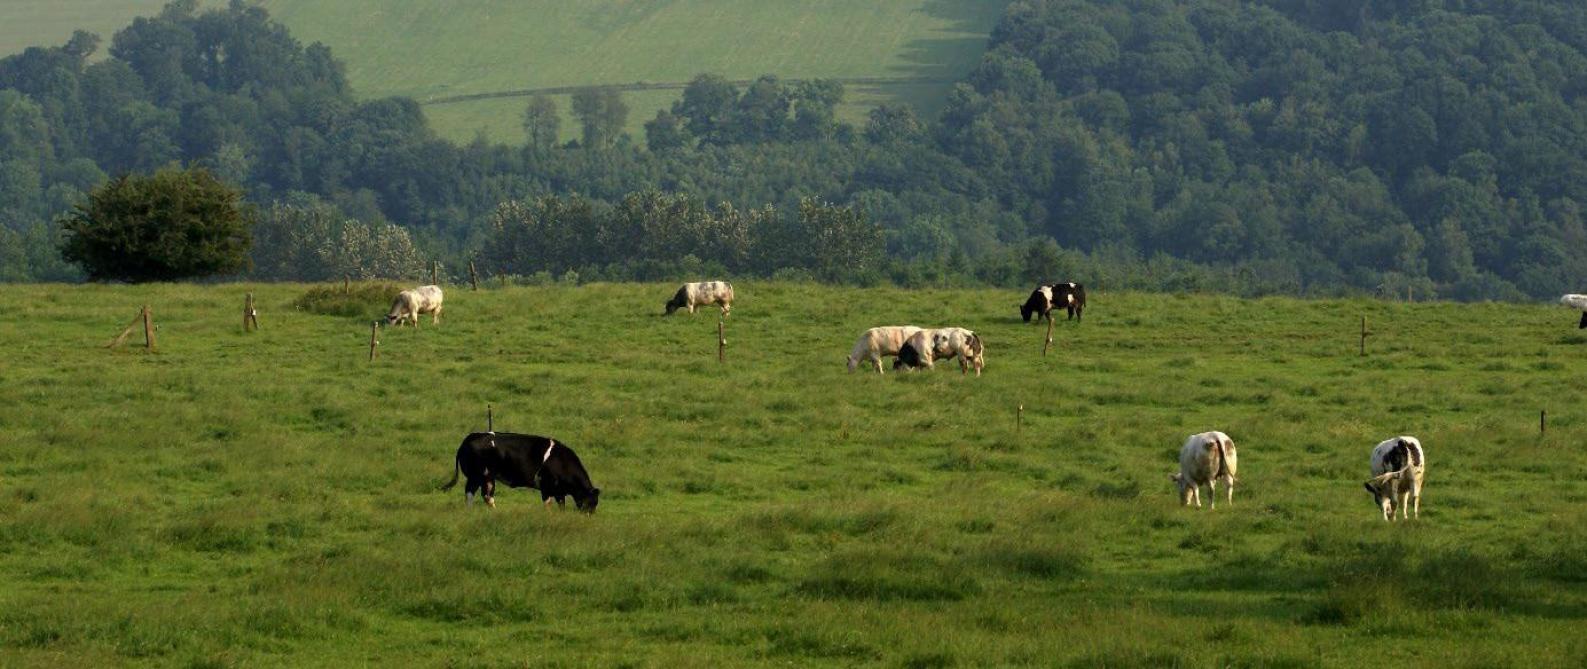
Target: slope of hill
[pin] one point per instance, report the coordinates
(432, 49)
(25, 23)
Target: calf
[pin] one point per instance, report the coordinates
(523, 461)
(877, 342)
(692, 295)
(1396, 485)
(924, 348)
(410, 303)
(1205, 459)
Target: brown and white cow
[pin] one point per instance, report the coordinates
(877, 342)
(926, 347)
(691, 295)
(1205, 459)
(1398, 465)
(410, 303)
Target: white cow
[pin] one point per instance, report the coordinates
(1398, 465)
(880, 341)
(691, 295)
(410, 303)
(1205, 459)
(926, 347)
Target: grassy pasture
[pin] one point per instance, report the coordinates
(269, 498)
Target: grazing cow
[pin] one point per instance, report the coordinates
(1204, 460)
(1071, 296)
(1038, 304)
(523, 461)
(1397, 468)
(691, 295)
(877, 342)
(1577, 302)
(924, 348)
(410, 303)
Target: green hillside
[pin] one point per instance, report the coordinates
(434, 49)
(25, 23)
(269, 499)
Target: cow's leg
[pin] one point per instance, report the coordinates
(490, 493)
(436, 319)
(877, 360)
(1212, 493)
(1230, 483)
(1416, 502)
(548, 501)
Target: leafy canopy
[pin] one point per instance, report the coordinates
(173, 224)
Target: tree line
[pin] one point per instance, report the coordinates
(1274, 146)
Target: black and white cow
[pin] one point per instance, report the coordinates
(1576, 302)
(1038, 304)
(1071, 297)
(523, 461)
(1398, 466)
(924, 348)
(691, 295)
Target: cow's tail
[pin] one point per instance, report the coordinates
(1223, 462)
(457, 467)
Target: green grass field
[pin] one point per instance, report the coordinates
(269, 499)
(433, 49)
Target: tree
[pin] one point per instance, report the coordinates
(174, 224)
(541, 123)
(602, 113)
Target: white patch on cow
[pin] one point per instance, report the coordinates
(549, 446)
(1070, 296)
(1574, 301)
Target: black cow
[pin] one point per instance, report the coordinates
(523, 461)
(1071, 296)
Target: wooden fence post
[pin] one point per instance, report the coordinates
(1019, 418)
(250, 315)
(433, 280)
(1542, 423)
(473, 277)
(346, 284)
(1047, 345)
(721, 341)
(503, 277)
(148, 328)
(374, 329)
(125, 332)
(1363, 336)
(490, 420)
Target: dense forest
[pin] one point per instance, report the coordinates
(1430, 147)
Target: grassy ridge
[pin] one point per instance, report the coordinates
(269, 498)
(431, 48)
